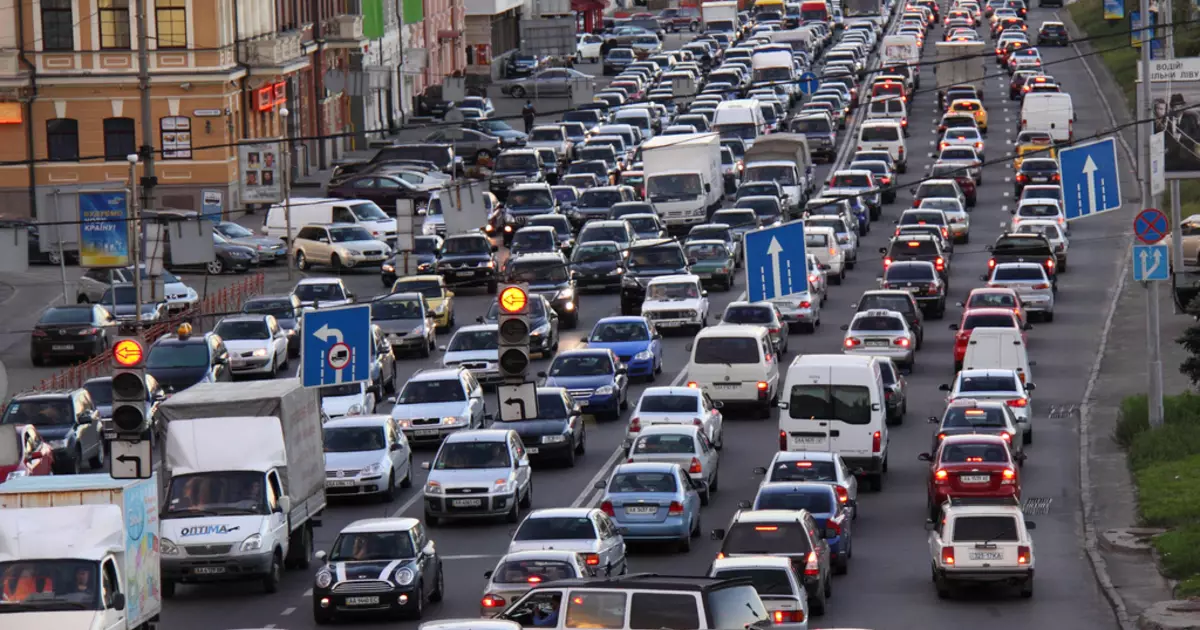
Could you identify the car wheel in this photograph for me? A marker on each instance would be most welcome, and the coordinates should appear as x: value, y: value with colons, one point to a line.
x: 431, y: 520
x: 517, y: 91
x: 581, y: 448
x: 439, y: 589
x: 527, y: 502
x: 335, y: 261
x: 216, y: 267
x: 816, y: 605
x: 425, y: 351
x: 270, y: 581
x: 389, y: 494
x: 301, y: 261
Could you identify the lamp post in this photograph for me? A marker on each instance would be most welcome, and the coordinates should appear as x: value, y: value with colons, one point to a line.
x: 284, y: 113
x: 135, y: 239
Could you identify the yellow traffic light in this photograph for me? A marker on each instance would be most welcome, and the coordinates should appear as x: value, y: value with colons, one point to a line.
x: 513, y: 300
x: 128, y: 353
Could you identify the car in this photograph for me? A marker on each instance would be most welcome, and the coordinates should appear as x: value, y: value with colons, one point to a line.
x: 675, y: 405
x: 180, y: 297
x: 1036, y: 170
x: 545, y: 331
x: 1055, y: 234
x: 23, y: 453
x: 121, y: 301
x: 598, y: 264
x: 435, y: 403
x: 520, y: 172
x: 918, y: 247
x: 820, y: 500
x: 647, y: 261
x: 981, y: 541
x: 984, y: 317
x: 790, y: 534
x: 1053, y: 33
x: 777, y: 583
x: 767, y: 314
x: 595, y: 378
x: 257, y: 345
x: 635, y: 341
x: 518, y: 572
x: 469, y: 260
x: 982, y: 417
x: 880, y: 332
x: 439, y: 299
x: 66, y: 420
x: 549, y: 82
x: 920, y: 278
x: 724, y: 233
x: 675, y: 302
x: 683, y: 444
x: 490, y: 464
x: 712, y: 261
x: 179, y: 360
x: 900, y: 301
x: 317, y: 292
x: 476, y: 348
x: 287, y: 312
x: 391, y: 559
x: 366, y: 455
x: 815, y: 466
x: 588, y: 532
x: 966, y: 158
x: 964, y: 137
x: 973, y: 107
x: 942, y: 188
x: 1031, y: 283
x: 895, y: 391
x: 995, y: 297
x: 996, y: 384
x: 970, y: 466
x: 347, y: 399
x: 71, y: 332
x: 1020, y: 248
x: 653, y: 501
x: 406, y: 322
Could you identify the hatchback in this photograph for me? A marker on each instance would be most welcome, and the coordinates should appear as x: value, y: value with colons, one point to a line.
x: 588, y: 532
x: 686, y: 445
x: 970, y: 466
x: 1036, y: 170
x: 821, y: 501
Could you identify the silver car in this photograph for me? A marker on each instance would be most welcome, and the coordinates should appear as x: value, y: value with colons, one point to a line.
x: 586, y: 531
x: 760, y: 314
x: 879, y: 332
x: 682, y: 444
x: 960, y: 220
x: 366, y: 455
x: 94, y: 282
x: 479, y: 473
x: 257, y: 345
x: 1031, y: 284
x: 270, y: 250
x: 518, y: 572
x: 337, y: 246
x: 553, y: 81
x: 406, y: 323
x: 963, y: 137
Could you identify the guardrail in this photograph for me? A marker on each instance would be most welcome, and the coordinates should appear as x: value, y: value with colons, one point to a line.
x: 227, y: 300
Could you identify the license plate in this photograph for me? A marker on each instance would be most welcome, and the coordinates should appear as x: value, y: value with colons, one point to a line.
x: 975, y: 478
x: 641, y: 509
x: 464, y: 274
x: 913, y: 289
x: 339, y: 483
x: 877, y: 344
x: 661, y: 324
x: 362, y: 601
x: 62, y: 347
x: 208, y: 570
x: 468, y: 502
x: 425, y: 432
x: 582, y: 403
x: 807, y: 440
x: 986, y: 555
x: 727, y: 385
x: 531, y: 450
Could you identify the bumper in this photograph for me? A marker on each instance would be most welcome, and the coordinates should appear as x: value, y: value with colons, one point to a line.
x: 540, y: 451
x: 960, y: 229
x: 459, y: 507
x: 666, y: 325
x: 442, y: 320
x: 738, y: 394
x: 461, y: 276
x: 255, y: 366
x: 407, y: 343
x: 65, y: 348
x: 326, y: 604
x: 432, y: 435
x: 709, y: 279
x: 355, y: 487
x: 1038, y: 303
x: 796, y: 315
x: 539, y: 344
x: 600, y: 404
x: 216, y: 569
x: 681, y: 218
x: 598, y: 281
x: 872, y: 464
x: 899, y: 355
x: 941, y: 497
x: 643, y: 367
x: 999, y: 574
x: 673, y: 528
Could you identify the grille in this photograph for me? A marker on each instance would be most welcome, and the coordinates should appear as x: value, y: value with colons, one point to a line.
x: 207, y: 550
x: 362, y: 586
x: 669, y: 314
x: 373, y: 252
x: 425, y: 421
x: 476, y: 366
x: 466, y: 490
x: 580, y: 393
x: 334, y: 474
x: 248, y: 355
x: 625, y: 358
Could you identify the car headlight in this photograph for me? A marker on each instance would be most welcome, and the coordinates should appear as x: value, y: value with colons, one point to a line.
x: 566, y: 294
x: 490, y: 264
x: 643, y: 355
x: 553, y: 439
x: 404, y: 424
x: 261, y: 352
x: 607, y: 390
x: 544, y: 329
x: 253, y: 543
x: 167, y: 547
x: 440, y: 308
x: 324, y: 579
x: 355, y: 410
x: 501, y: 485
x: 389, y: 268
x: 433, y: 487
x: 373, y: 469
x: 405, y: 576
x: 616, y: 272
x: 239, y: 254
x: 451, y: 420
x: 417, y: 330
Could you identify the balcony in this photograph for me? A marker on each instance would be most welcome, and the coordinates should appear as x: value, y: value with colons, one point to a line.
x: 344, y: 31
x: 278, y: 53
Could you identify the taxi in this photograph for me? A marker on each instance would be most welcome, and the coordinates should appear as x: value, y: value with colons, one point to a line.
x: 439, y: 299
x: 1033, y: 144
x: 975, y: 108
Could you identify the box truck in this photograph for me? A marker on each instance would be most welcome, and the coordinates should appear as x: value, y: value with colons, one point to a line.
x: 720, y: 17
x: 683, y: 177
x: 782, y: 157
x: 960, y: 63
x: 80, y: 552
x: 902, y: 50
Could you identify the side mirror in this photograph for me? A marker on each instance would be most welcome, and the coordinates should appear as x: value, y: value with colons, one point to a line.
x: 760, y: 471
x: 541, y: 375
x: 394, y: 447
x: 960, y: 305
x: 930, y: 525
x: 320, y: 555
x: 479, y: 320
x: 783, y: 405
x: 953, y: 326
x: 925, y: 457
x: 391, y: 399
x: 883, y: 251
x: 983, y: 277
x: 707, y: 187
x: 844, y: 327
x: 599, y: 485
x: 425, y: 466
x: 1030, y: 525
x: 1027, y: 327
x: 745, y: 505
x: 442, y: 347
x: 718, y: 404
x: 988, y: 248
x: 943, y: 387
x: 1030, y: 387
x: 933, y: 420
x: 118, y: 601
x: 704, y: 293
x: 689, y: 346
x: 487, y: 575
x: 717, y: 534
x: 421, y: 212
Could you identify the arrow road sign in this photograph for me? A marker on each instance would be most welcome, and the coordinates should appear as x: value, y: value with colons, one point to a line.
x: 809, y: 83
x: 517, y: 402
x: 131, y: 460
x: 338, y: 348
x: 1151, y: 226
x: 776, y: 262
x: 1091, y: 181
x: 1151, y: 263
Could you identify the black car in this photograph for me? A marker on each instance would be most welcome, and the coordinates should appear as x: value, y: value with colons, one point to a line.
x: 423, y: 259
x: 522, y: 65
x: 526, y: 201
x: 558, y: 433
x: 286, y: 309
x: 181, y: 360
x: 543, y: 321
x: 378, y: 567
x: 229, y: 256
x: 902, y: 302
x: 768, y: 208
x: 1033, y: 248
x: 895, y: 391
x: 662, y: 257
x: 70, y: 332
x: 469, y: 260
x: 513, y: 167
x: 626, y: 208
x: 922, y: 279
x: 550, y: 165
x: 1036, y: 170
x: 431, y: 103
x: 917, y: 247
x: 760, y: 189
x: 599, y: 264
x: 549, y: 276
x: 67, y: 420
x: 1053, y: 32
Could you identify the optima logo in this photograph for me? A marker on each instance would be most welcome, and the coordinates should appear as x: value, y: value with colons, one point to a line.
x: 208, y: 529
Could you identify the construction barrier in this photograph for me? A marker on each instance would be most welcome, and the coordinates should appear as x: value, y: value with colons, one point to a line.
x: 223, y: 302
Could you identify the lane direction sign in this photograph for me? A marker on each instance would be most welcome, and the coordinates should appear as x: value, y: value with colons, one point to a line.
x: 1090, y: 177
x: 809, y: 83
x: 1151, y: 263
x: 517, y: 402
x: 336, y: 347
x: 131, y: 460
x: 776, y: 262
x: 1151, y: 226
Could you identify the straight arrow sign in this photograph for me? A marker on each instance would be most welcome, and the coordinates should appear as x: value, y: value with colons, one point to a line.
x: 774, y: 250
x: 1089, y: 171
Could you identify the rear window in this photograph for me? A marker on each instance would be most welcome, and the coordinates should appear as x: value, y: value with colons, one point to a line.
x: 877, y: 323
x: 749, y: 315
x: 918, y: 218
x: 669, y: 404
x: 987, y: 384
x: 909, y: 273
x: 885, y: 302
x: 664, y: 445
x: 642, y: 482
x: 1019, y: 245
x: 533, y: 571
x: 766, y: 581
x: 1038, y: 210
x: 851, y: 181
x: 1039, y: 165
x: 1018, y: 273
x: 958, y: 417
x: 974, y: 453
x: 937, y: 190
x: 727, y: 350
x: 846, y: 403
x: 879, y: 134
x: 816, y: 501
x: 766, y: 539
x: 988, y: 321
x: 556, y: 528
x: 913, y: 248
x: 816, y: 240
x: 804, y: 471
x: 985, y: 529
x: 994, y: 300
x: 732, y: 607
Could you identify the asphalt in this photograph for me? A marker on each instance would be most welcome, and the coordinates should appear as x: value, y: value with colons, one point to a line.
x: 888, y: 582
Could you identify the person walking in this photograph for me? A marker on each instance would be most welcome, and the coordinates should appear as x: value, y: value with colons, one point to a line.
x: 528, y: 113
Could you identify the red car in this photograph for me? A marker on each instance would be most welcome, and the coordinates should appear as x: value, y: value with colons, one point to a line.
x: 982, y: 317
x: 973, y: 466
x: 23, y: 453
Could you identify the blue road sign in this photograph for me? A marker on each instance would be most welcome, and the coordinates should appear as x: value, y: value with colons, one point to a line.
x: 1091, y: 181
x: 1151, y: 226
x: 809, y: 83
x: 336, y: 347
x: 1150, y: 263
x: 776, y: 262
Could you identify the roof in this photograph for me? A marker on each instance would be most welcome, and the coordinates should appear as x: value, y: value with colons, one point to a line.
x: 437, y: 374
x: 670, y: 429
x: 479, y: 435
x: 988, y: 310
x: 731, y: 330
x: 380, y: 525
x: 671, y: 391
x: 768, y: 516
x: 803, y: 456
x: 626, y: 319
x: 973, y: 437
x: 637, y: 467
x: 319, y: 280
x: 748, y: 562
x: 984, y: 372
x: 540, y: 554
x: 358, y: 421
x: 477, y: 328
x: 785, y: 485
x: 567, y: 512
x: 648, y: 581
x: 679, y: 277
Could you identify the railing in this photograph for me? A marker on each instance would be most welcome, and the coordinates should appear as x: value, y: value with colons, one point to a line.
x: 223, y: 302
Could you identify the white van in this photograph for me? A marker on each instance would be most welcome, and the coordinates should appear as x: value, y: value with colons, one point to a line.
x: 822, y: 243
x: 637, y: 117
x: 998, y: 348
x: 309, y: 210
x: 889, y: 108
x: 884, y: 135
x: 1053, y: 113
x: 836, y: 403
x: 740, y: 118
x: 736, y: 365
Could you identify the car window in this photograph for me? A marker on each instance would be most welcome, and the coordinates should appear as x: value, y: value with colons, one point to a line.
x: 815, y: 500
x: 596, y: 609
x: 664, y: 444
x: 957, y: 417
x: 726, y: 350
x: 996, y: 383
x: 653, y: 611
x: 985, y: 529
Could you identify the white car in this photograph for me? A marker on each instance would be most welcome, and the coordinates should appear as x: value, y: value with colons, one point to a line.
x: 435, y: 403
x: 818, y: 466
x: 1054, y: 233
x: 675, y: 405
x: 433, y: 220
x: 818, y: 284
x: 478, y: 474
x: 1040, y: 209
x: 681, y: 444
x: 782, y: 593
x: 256, y: 343
x: 347, y: 399
x: 366, y: 455
x: 482, y: 103
x: 879, y: 332
x: 677, y: 301
x: 981, y: 542
x: 1030, y: 282
x: 550, y: 137
x: 964, y: 137
x: 315, y: 293
x: 588, y: 532
x: 477, y: 348
x: 957, y: 216
x: 996, y: 384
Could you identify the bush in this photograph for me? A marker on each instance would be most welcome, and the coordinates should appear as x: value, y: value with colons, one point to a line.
x: 1179, y: 551
x: 1169, y: 493
x: 1188, y: 588
x: 1170, y: 443
x: 1133, y: 416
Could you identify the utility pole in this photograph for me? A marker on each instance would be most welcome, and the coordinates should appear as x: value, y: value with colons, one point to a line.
x: 146, y: 151
x: 1153, y: 332
x: 135, y: 242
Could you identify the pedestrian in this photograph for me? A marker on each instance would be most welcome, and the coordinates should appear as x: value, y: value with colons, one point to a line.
x: 528, y: 113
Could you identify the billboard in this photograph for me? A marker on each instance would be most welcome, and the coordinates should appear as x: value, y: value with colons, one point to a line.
x: 103, y: 229
x: 1114, y: 9
x: 260, y: 164
x: 1175, y: 95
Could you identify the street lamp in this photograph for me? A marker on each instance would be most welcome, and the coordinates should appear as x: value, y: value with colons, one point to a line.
x: 284, y: 113
x: 135, y: 239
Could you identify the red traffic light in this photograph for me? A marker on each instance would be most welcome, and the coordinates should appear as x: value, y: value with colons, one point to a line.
x: 513, y: 300
x: 128, y: 353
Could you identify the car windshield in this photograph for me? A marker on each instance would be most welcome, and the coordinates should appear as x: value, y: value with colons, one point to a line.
x: 339, y: 391
x: 664, y: 444
x: 178, y: 355
x: 644, y: 225
x: 395, y: 309
x: 598, y: 198
x: 565, y: 194
x: 40, y: 413
x: 783, y: 175
x: 811, y: 125
x: 551, y: 406
x: 124, y: 294
x: 815, y: 500
x: 67, y: 315
x: 517, y: 162
x: 557, y: 528
x: 468, y: 245
x: 427, y: 288
x: 992, y: 300
x: 469, y: 455
x: 256, y: 330
x: 673, y: 291
x: 349, y: 234
x: 538, y: 272
x: 985, y: 529
x: 968, y: 453
x: 766, y: 581
x: 642, y: 482
x: 736, y: 219
x: 766, y: 539
x: 987, y: 384
x: 544, y: 135
x: 909, y: 273
x: 538, y: 198
x: 1018, y: 273
x: 673, y: 187
x: 474, y: 340
x: 766, y: 208
x: 595, y: 253
x: 1039, y: 165
x: 657, y: 257
x: 988, y: 320
x: 727, y: 351
x: 354, y: 439
x: 316, y: 292
x: 596, y: 152
x: 959, y: 417
x: 581, y: 365
x: 877, y: 323
x: 620, y: 332
x: 372, y: 546
x: 533, y: 571
x: 750, y: 314
x: 880, y: 133
x: 897, y: 303
x: 101, y: 391
x: 851, y: 180
x: 534, y: 240
x: 697, y: 252
x: 743, y: 131
x: 439, y: 391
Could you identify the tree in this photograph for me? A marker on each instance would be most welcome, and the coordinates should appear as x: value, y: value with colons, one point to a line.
x: 1190, y: 340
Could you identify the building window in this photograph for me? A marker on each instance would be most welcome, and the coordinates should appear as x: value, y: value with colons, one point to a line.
x: 119, y: 139
x: 114, y: 24
x: 170, y: 16
x: 58, y: 25
x: 62, y: 140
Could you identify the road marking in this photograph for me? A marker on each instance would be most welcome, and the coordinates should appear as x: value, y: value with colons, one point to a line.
x: 472, y: 556
x: 308, y: 593
x: 1005, y: 208
x: 1005, y: 193
x: 417, y: 496
x: 1007, y: 180
x: 270, y: 625
x: 287, y: 611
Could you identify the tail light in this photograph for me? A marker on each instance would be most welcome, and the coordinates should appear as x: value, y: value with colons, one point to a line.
x: 812, y: 566
x: 1019, y: 403
x: 852, y: 342
x: 943, y: 145
x: 697, y: 422
x: 1008, y: 476
x: 887, y: 262
x: 945, y: 234
x: 843, y: 495
x: 783, y: 440
x: 813, y: 279
x: 607, y: 508
x: 833, y: 251
x: 1023, y: 554
x: 902, y: 342
x: 773, y: 331
x: 1056, y: 177
x: 39, y: 333
x: 948, y: 555
x: 788, y: 616
x: 591, y: 559
x: 635, y: 424
x: 876, y: 442
x: 1023, y: 121
x: 762, y: 386
x: 1006, y: 436
x: 695, y: 468
x: 1021, y: 178
x: 901, y: 153
x: 1041, y: 286
x: 693, y: 385
x: 940, y: 477
x: 493, y: 601
x: 675, y: 508
x: 887, y: 394
x: 991, y: 263
x: 835, y: 526
x: 978, y: 145
x: 940, y: 437
x: 721, y: 555
x: 533, y: 579
x: 1050, y: 263
x: 940, y: 264
x: 805, y: 304
x: 885, y: 179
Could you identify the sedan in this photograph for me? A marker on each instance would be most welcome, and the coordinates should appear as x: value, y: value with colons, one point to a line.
x: 516, y: 573
x: 257, y: 345
x: 1053, y: 233
x: 635, y: 341
x: 821, y: 501
x: 653, y: 501
x: 270, y: 250
x: 963, y: 137
x: 596, y: 379
x: 406, y: 323
x: 588, y: 532
x: 554, y: 81
x: 676, y: 405
x: 1036, y: 170
x: 765, y: 314
x: 881, y: 333
x: 384, y: 190
x: 558, y: 433
x: 713, y: 262
x: 970, y: 466
x: 815, y: 466
x: 682, y: 444
x: 1030, y: 282
x: 70, y: 332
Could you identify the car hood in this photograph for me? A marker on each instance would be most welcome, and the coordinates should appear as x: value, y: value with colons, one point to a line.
x: 469, y: 478
x: 622, y: 348
x: 538, y: 427
x: 651, y: 272
x: 521, y: 210
x: 211, y: 530
x: 670, y: 305
x: 239, y: 346
x: 257, y: 242
x: 352, y: 460
x: 398, y: 325
x: 384, y: 570
x: 580, y: 382
x: 429, y: 410
x: 55, y: 432
x: 458, y: 356
x: 461, y: 258
x: 359, y: 247
x: 596, y: 266
x: 174, y: 380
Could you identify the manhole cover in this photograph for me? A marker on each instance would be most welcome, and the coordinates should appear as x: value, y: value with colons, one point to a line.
x: 1035, y: 506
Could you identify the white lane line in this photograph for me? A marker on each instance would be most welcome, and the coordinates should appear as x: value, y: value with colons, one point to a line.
x: 308, y: 593
x: 1005, y: 208
x: 1009, y: 179
x: 270, y: 625
x: 417, y: 496
x: 287, y: 611
x: 473, y: 556
x: 1006, y: 193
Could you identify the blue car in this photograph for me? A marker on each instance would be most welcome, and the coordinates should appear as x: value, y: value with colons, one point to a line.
x: 652, y: 501
x: 595, y: 378
x: 635, y: 342
x: 820, y: 500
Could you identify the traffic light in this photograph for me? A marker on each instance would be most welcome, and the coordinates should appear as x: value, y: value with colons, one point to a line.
x: 514, y: 332
x: 129, y: 386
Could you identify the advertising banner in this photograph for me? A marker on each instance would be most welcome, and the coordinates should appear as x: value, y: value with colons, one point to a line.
x: 1175, y: 97
x: 103, y: 229
x: 261, y: 180
x: 1114, y: 9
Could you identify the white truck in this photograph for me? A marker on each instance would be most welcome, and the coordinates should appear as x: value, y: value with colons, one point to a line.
x: 247, y: 467
x: 902, y: 50
x: 720, y: 17
x: 784, y: 158
x: 775, y: 67
x: 858, y: 9
x: 799, y: 39
x: 960, y: 63
x: 683, y: 177
x: 80, y: 552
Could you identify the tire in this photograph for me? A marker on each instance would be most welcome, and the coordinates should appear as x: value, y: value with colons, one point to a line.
x: 216, y: 267
x: 270, y: 581
x: 569, y: 458
x: 581, y: 448
x: 1048, y: 317
x: 841, y: 566
x: 1027, y: 588
x: 431, y: 520
x: 514, y: 515
x: 407, y: 481
x: 493, y: 286
x: 335, y: 262
x: 943, y: 587
x: 573, y: 321
x: 517, y: 92
x: 301, y: 261
x: 685, y: 543
x: 816, y: 605
x: 439, y: 589
x: 168, y: 589
x: 1027, y: 439
x: 425, y: 351
x: 389, y: 495
x: 37, y: 359
x: 527, y: 502
x: 705, y: 496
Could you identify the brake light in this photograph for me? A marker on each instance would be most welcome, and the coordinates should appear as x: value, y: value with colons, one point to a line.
x: 835, y: 526
x: 1021, y: 177
x: 885, y: 179
x: 720, y: 555
x: 607, y: 508
x: 788, y: 616
x: 812, y: 567
x: 695, y: 468
x: 1009, y: 474
x: 591, y: 559
x: 1050, y: 263
x: 493, y: 601
x: 762, y: 386
x: 1056, y: 177
x: 948, y: 555
x: 1023, y: 554
x: 1023, y: 121
x: 941, y: 476
x: 635, y: 424
x: 887, y: 262
x: 843, y: 495
x: 901, y: 153
x: 675, y: 508
x: 902, y: 342
x: 783, y: 440
x: 697, y: 422
x: 876, y: 442
x: 852, y: 342
x: 1006, y: 436
x: 941, y: 436
x: 945, y: 233
x: 1019, y: 403
x: 39, y: 333
x: 833, y: 251
x: 533, y: 579
x: 978, y: 145
x: 1041, y: 286
x: 991, y: 263
x: 693, y: 385
x: 939, y: 263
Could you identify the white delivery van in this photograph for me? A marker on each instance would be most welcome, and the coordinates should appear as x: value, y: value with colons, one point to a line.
x: 1053, y: 113
x: 835, y: 403
x: 740, y: 118
x: 822, y: 243
x: 903, y: 50
x: 683, y: 177
x: 885, y: 135
x: 889, y: 108
x: 775, y: 67
x: 736, y: 365
x: 998, y: 348
x: 308, y: 210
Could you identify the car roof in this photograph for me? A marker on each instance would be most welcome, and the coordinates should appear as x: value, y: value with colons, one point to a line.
x: 567, y: 512
x: 985, y: 372
x: 731, y: 330
x: 380, y: 525
x: 750, y: 562
x: 437, y: 374
x: 375, y: 420
x: 319, y: 280
x: 678, y: 277
x: 478, y: 435
x: 973, y: 437
x: 670, y: 429
x: 767, y: 516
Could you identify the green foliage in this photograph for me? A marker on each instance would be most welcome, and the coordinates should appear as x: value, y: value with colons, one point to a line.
x: 1169, y: 493
x: 1179, y: 550
x: 1133, y: 416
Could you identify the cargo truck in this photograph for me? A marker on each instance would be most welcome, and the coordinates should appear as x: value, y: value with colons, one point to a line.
x: 902, y: 50
x: 960, y: 63
x: 784, y: 158
x: 80, y: 552
x: 683, y: 177
x: 720, y: 17
x: 247, y: 482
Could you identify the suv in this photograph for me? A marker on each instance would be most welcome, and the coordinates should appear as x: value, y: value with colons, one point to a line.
x: 647, y: 600
x: 920, y: 278
x: 67, y: 420
x: 917, y: 247
x: 436, y: 403
x: 337, y: 245
x: 181, y: 360
x: 469, y: 259
x: 1034, y: 248
x: 515, y: 166
x: 659, y: 257
x: 524, y: 202
x: 902, y: 302
x: 793, y: 534
x: 981, y: 540
x: 548, y: 275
